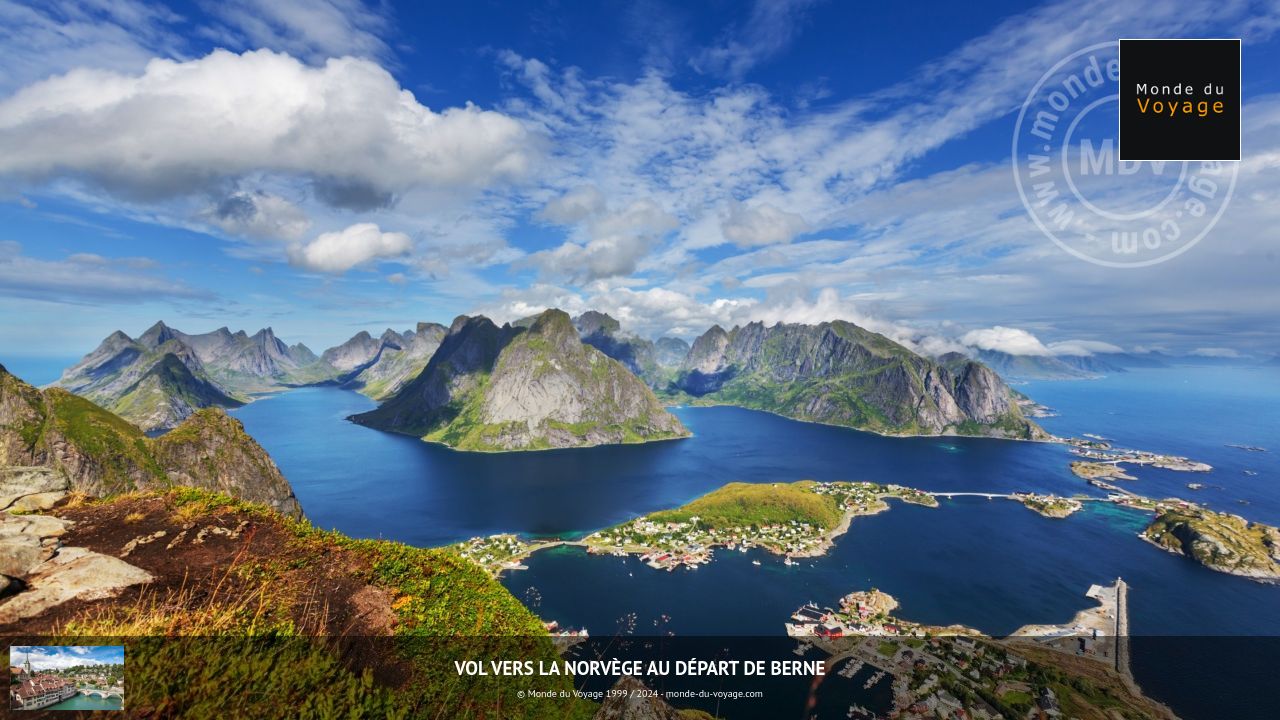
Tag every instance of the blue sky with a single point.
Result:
(330, 166)
(57, 657)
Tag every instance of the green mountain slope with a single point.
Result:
(98, 453)
(517, 388)
(841, 374)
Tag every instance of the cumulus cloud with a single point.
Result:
(1005, 339)
(762, 224)
(184, 127)
(340, 251)
(258, 215)
(607, 244)
(574, 206)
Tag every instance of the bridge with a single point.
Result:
(989, 496)
(103, 693)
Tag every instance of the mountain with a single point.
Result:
(356, 352)
(670, 351)
(60, 438)
(165, 375)
(518, 388)
(652, 362)
(1037, 367)
(379, 368)
(841, 374)
(247, 364)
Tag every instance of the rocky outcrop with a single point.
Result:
(33, 561)
(839, 373)
(516, 388)
(211, 450)
(71, 574)
(634, 701)
(31, 488)
(1219, 541)
(53, 442)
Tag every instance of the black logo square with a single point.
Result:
(1179, 100)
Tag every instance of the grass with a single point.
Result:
(756, 504)
(187, 645)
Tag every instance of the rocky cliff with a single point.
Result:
(52, 442)
(379, 368)
(839, 373)
(1219, 541)
(517, 388)
(647, 360)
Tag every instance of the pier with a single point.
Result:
(1122, 630)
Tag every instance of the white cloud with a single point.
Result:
(1216, 352)
(1005, 339)
(42, 39)
(762, 224)
(314, 30)
(186, 127)
(340, 251)
(606, 244)
(258, 215)
(770, 28)
(85, 278)
(574, 206)
(1082, 348)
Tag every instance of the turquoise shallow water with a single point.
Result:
(88, 702)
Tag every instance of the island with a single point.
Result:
(1094, 470)
(1219, 541)
(799, 519)
(1050, 506)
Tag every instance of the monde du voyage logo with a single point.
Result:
(1128, 165)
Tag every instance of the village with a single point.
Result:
(690, 543)
(949, 671)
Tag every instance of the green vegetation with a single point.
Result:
(493, 389)
(254, 643)
(1223, 542)
(837, 373)
(119, 449)
(756, 504)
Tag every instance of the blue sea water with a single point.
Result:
(993, 565)
(38, 370)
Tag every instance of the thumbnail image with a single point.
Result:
(66, 677)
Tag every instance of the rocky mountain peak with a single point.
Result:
(592, 322)
(157, 335)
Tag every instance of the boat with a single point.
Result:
(755, 562)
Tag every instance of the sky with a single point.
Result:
(58, 657)
(333, 166)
